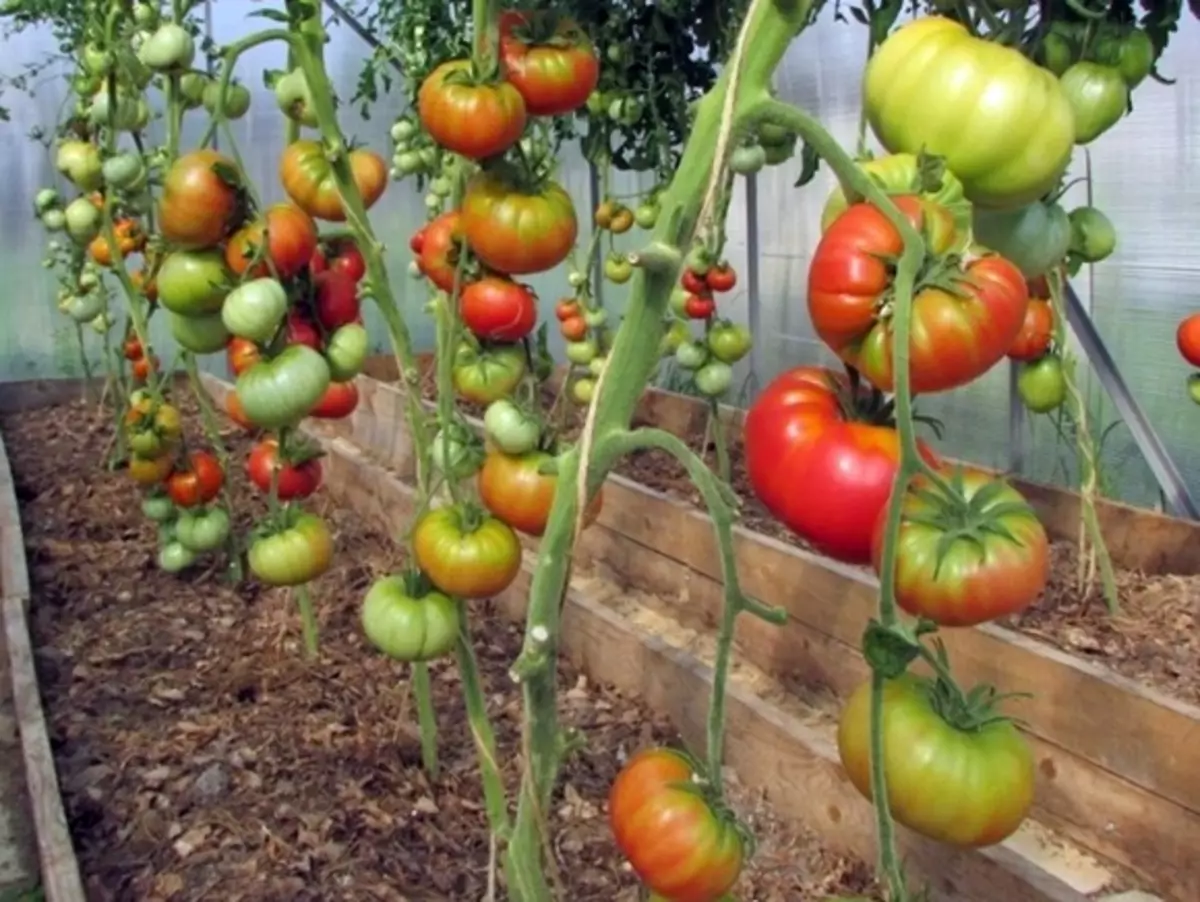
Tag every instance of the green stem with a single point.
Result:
(83, 358)
(308, 622)
(481, 728)
(724, 469)
(230, 57)
(426, 718)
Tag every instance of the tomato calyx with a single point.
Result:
(861, 402)
(295, 449)
(542, 28)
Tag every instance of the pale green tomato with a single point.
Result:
(124, 171)
(1036, 238)
(346, 352)
(84, 307)
(1093, 236)
(713, 378)
(510, 428)
(82, 220)
(46, 199)
(691, 354)
(174, 557)
(203, 334)
(170, 49)
(582, 352)
(255, 309)
(406, 628)
(582, 391)
(282, 390)
(80, 162)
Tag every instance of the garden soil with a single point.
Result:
(203, 757)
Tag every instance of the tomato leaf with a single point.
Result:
(810, 163)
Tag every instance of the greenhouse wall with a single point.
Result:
(1144, 174)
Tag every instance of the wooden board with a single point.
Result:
(59, 867)
(790, 757)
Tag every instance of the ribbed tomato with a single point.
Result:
(291, 240)
(200, 201)
(307, 178)
(965, 312)
(335, 301)
(295, 478)
(467, 116)
(198, 482)
(549, 60)
(437, 256)
(822, 459)
(498, 309)
(517, 231)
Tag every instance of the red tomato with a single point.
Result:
(498, 309)
(823, 474)
(233, 407)
(302, 331)
(198, 483)
(1037, 331)
(294, 480)
(242, 354)
(348, 260)
(965, 560)
(132, 348)
(339, 401)
(517, 231)
(439, 249)
(143, 366)
(469, 117)
(721, 277)
(291, 242)
(318, 264)
(693, 282)
(335, 299)
(555, 75)
(955, 337)
(511, 487)
(574, 328)
(417, 241)
(200, 201)
(699, 306)
(1187, 339)
(566, 308)
(679, 846)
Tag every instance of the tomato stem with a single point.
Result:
(308, 622)
(426, 718)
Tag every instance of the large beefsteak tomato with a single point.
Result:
(1003, 123)
(965, 313)
(201, 199)
(307, 177)
(498, 309)
(291, 240)
(549, 60)
(517, 231)
(822, 458)
(466, 554)
(512, 487)
(477, 119)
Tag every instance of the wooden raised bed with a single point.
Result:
(1116, 759)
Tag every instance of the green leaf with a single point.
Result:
(890, 650)
(274, 15)
(810, 163)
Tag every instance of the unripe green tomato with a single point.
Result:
(145, 15)
(596, 318)
(691, 355)
(596, 103)
(408, 162)
(54, 220)
(441, 186)
(582, 391)
(698, 260)
(582, 352)
(88, 280)
(433, 202)
(576, 279)
(429, 158)
(596, 366)
(678, 301)
(1193, 386)
(646, 215)
(748, 160)
(46, 199)
(677, 333)
(403, 129)
(1093, 236)
(714, 378)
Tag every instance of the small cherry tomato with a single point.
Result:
(700, 306)
(574, 328)
(721, 277)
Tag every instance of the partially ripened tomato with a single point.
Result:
(1187, 339)
(1037, 331)
(549, 60)
(143, 366)
(242, 355)
(498, 309)
(150, 470)
(307, 178)
(822, 460)
(964, 318)
(968, 555)
(511, 487)
(297, 478)
(464, 553)
(130, 239)
(957, 778)
(932, 76)
(200, 201)
(438, 256)
(515, 231)
(339, 401)
(291, 240)
(484, 376)
(295, 555)
(237, 413)
(198, 482)
(469, 116)
(678, 844)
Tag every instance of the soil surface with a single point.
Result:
(203, 757)
(1154, 638)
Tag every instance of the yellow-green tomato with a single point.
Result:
(406, 628)
(713, 379)
(1098, 97)
(617, 269)
(596, 365)
(511, 428)
(173, 557)
(293, 556)
(1002, 122)
(582, 391)
(729, 342)
(82, 220)
(1093, 236)
(582, 352)
(80, 162)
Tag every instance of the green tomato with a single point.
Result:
(408, 162)
(54, 220)
(1193, 387)
(677, 333)
(902, 173)
(237, 99)
(82, 220)
(484, 376)
(128, 114)
(774, 154)
(159, 508)
(576, 279)
(729, 342)
(1136, 57)
(646, 215)
(748, 159)
(678, 301)
(1098, 97)
(346, 352)
(193, 283)
(1036, 238)
(170, 49)
(46, 199)
(772, 135)
(96, 61)
(406, 628)
(281, 391)
(102, 323)
(403, 130)
(582, 352)
(1057, 51)
(295, 555)
(124, 171)
(145, 14)
(441, 186)
(173, 557)
(1042, 385)
(617, 269)
(510, 428)
(202, 531)
(80, 162)
(596, 365)
(713, 378)
(691, 355)
(1093, 236)
(203, 334)
(84, 307)
(596, 317)
(295, 99)
(456, 453)
(582, 391)
(193, 86)
(931, 76)
(255, 309)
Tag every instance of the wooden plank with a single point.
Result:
(794, 761)
(1106, 814)
(59, 867)
(29, 394)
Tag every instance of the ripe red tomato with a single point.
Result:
(700, 306)
(678, 845)
(417, 241)
(514, 231)
(439, 249)
(498, 309)
(822, 461)
(198, 483)
(302, 331)
(339, 401)
(335, 299)
(574, 328)
(693, 282)
(963, 786)
(511, 487)
(566, 308)
(960, 565)
(242, 354)
(294, 480)
(469, 117)
(307, 178)
(200, 201)
(721, 277)
(132, 348)
(348, 260)
(1037, 331)
(955, 337)
(318, 263)
(551, 63)
(291, 242)
(1187, 339)
(143, 366)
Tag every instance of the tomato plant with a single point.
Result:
(498, 309)
(464, 553)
